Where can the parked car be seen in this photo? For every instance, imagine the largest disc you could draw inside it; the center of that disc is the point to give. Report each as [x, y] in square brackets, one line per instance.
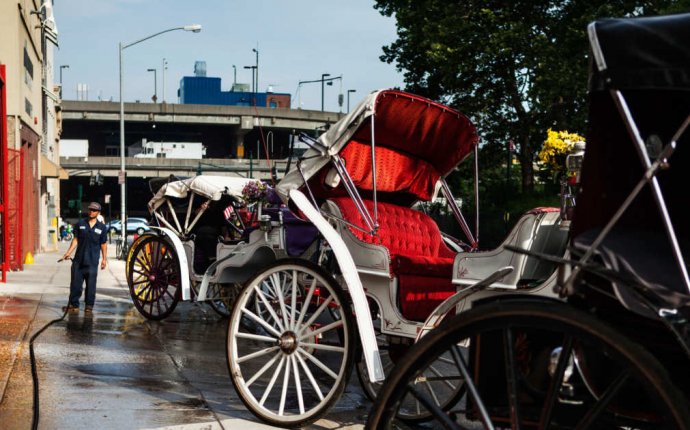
[134, 225]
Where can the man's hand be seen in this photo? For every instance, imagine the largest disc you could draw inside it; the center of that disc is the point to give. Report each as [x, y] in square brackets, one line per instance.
[103, 264]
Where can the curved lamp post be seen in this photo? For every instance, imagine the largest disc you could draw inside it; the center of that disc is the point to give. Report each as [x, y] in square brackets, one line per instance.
[122, 176]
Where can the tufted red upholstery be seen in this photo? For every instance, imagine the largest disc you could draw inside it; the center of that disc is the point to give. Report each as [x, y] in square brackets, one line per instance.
[419, 258]
[395, 171]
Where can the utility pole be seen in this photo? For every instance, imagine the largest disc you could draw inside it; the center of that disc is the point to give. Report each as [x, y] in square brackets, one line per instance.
[163, 69]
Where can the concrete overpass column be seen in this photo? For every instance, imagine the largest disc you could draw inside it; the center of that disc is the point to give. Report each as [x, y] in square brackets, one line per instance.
[246, 124]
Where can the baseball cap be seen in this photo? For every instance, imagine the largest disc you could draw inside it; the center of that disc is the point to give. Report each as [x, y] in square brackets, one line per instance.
[95, 206]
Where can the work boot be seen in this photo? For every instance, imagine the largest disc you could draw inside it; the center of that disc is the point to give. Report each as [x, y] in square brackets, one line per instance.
[88, 310]
[70, 309]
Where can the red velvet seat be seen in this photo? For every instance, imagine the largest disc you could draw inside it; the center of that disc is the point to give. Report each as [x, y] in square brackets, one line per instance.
[420, 259]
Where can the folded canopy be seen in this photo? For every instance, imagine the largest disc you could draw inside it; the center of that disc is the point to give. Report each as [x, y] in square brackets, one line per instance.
[417, 141]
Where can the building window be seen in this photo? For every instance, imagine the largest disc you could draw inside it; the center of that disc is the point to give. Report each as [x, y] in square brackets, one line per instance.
[28, 68]
[28, 107]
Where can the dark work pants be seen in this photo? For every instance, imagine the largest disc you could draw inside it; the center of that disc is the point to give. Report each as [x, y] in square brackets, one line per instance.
[80, 275]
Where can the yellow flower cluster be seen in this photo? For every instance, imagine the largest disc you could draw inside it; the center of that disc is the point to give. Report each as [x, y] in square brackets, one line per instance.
[556, 147]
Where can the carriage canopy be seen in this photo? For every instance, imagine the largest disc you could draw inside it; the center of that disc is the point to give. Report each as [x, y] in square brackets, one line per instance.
[639, 106]
[416, 141]
[210, 187]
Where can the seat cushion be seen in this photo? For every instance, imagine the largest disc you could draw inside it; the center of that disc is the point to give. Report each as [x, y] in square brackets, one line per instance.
[437, 267]
[420, 259]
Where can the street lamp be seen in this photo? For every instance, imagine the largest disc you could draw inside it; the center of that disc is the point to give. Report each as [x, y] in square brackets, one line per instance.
[164, 67]
[121, 176]
[348, 98]
[234, 76]
[155, 85]
[253, 69]
[65, 66]
[257, 69]
[323, 76]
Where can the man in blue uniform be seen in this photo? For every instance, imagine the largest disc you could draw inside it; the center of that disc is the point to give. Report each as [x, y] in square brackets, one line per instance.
[90, 238]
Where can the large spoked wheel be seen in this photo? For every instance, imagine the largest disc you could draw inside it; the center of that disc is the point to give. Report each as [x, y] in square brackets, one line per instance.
[518, 361]
[154, 277]
[441, 381]
[222, 296]
[290, 343]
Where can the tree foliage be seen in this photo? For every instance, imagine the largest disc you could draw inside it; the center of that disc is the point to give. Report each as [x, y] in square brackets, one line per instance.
[516, 68]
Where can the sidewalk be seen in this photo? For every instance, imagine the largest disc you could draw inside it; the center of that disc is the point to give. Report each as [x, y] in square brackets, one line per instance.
[30, 299]
[116, 370]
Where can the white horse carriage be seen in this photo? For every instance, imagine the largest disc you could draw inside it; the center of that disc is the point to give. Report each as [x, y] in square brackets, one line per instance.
[208, 241]
[387, 274]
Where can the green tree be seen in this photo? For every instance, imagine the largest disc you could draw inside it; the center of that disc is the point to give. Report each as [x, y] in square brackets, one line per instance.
[516, 68]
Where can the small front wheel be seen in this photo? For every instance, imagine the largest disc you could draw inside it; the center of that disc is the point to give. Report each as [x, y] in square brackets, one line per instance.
[290, 343]
[154, 277]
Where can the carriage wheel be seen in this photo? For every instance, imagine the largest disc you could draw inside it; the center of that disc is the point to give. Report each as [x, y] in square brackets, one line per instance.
[222, 296]
[518, 360]
[290, 343]
[154, 277]
[442, 379]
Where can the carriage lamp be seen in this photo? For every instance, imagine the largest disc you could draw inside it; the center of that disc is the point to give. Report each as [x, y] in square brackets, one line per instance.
[265, 223]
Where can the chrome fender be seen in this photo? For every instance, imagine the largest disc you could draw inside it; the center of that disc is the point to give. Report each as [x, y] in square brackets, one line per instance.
[182, 258]
[354, 285]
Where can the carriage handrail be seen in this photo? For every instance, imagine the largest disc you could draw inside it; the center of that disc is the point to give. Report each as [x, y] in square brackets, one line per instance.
[351, 189]
[457, 213]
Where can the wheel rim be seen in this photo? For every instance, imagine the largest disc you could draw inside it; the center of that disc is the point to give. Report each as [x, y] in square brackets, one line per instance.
[289, 345]
[519, 371]
[154, 277]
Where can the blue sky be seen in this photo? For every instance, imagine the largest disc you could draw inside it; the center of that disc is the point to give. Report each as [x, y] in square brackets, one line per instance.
[297, 40]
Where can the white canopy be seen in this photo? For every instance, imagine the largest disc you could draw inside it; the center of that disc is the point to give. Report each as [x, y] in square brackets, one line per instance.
[210, 187]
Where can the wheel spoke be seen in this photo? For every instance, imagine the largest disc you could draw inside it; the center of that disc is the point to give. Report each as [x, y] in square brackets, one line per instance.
[293, 303]
[555, 384]
[316, 314]
[322, 346]
[511, 377]
[317, 362]
[260, 320]
[431, 391]
[436, 411]
[310, 376]
[286, 380]
[444, 379]
[305, 304]
[331, 326]
[265, 367]
[298, 385]
[268, 389]
[257, 354]
[269, 308]
[278, 286]
[244, 335]
[460, 363]
[610, 393]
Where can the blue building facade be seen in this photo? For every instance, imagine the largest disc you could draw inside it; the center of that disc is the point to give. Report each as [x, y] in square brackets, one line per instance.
[206, 91]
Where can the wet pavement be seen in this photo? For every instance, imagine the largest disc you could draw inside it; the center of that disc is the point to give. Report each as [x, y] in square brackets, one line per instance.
[116, 370]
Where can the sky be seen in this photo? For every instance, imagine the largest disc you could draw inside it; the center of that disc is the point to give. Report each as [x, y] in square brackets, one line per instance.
[297, 40]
